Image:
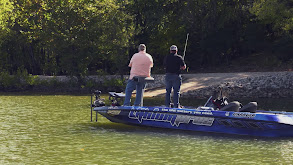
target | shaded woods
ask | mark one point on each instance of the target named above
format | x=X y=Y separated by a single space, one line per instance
x=90 y=37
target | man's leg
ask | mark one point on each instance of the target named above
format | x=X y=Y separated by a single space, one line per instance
x=176 y=87
x=140 y=86
x=128 y=91
x=168 y=83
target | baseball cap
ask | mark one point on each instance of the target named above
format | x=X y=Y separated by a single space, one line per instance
x=141 y=47
x=173 y=47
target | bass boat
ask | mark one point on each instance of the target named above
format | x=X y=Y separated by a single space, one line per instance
x=230 y=119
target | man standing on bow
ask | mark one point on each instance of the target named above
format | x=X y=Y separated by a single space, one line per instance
x=141 y=64
x=173 y=63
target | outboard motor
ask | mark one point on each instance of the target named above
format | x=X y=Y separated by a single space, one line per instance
x=220 y=103
x=223 y=104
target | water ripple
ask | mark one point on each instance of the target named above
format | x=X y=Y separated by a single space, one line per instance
x=57 y=130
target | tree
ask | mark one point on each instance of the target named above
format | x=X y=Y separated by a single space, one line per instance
x=277 y=17
x=68 y=37
x=6 y=15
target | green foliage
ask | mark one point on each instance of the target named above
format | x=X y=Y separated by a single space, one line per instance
x=85 y=37
x=5 y=15
x=5 y=80
x=115 y=82
x=67 y=37
x=277 y=13
x=90 y=84
x=21 y=81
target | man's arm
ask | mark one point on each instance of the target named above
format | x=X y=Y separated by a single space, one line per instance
x=152 y=61
x=131 y=60
x=183 y=67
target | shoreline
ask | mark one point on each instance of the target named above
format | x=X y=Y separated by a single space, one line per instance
x=196 y=85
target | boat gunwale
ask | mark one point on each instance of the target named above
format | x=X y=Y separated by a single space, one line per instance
x=260 y=115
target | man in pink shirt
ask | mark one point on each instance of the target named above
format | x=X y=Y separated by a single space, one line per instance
x=141 y=64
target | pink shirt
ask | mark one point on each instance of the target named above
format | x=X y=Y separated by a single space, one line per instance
x=141 y=64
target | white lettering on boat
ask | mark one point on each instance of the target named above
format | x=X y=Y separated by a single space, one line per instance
x=207 y=121
x=184 y=111
x=173 y=119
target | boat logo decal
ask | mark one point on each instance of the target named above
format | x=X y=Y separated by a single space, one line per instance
x=243 y=114
x=227 y=114
x=113 y=112
x=173 y=119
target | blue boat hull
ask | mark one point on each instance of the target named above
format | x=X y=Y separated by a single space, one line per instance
x=261 y=123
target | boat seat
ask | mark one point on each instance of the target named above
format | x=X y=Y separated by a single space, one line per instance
x=114 y=94
x=143 y=79
x=232 y=106
x=250 y=107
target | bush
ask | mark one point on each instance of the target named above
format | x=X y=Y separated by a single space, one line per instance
x=18 y=82
x=22 y=81
x=116 y=85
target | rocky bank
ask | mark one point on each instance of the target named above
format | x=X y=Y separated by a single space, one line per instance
x=235 y=85
x=272 y=85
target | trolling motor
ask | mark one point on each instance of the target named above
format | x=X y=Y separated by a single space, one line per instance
x=98 y=102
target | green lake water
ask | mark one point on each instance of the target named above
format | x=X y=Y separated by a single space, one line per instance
x=57 y=130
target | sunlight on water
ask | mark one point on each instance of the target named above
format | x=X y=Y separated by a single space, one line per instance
x=57 y=130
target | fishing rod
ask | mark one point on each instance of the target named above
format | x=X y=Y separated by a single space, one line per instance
x=185 y=45
x=185 y=49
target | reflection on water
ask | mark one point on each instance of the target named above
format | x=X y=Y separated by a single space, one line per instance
x=57 y=130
